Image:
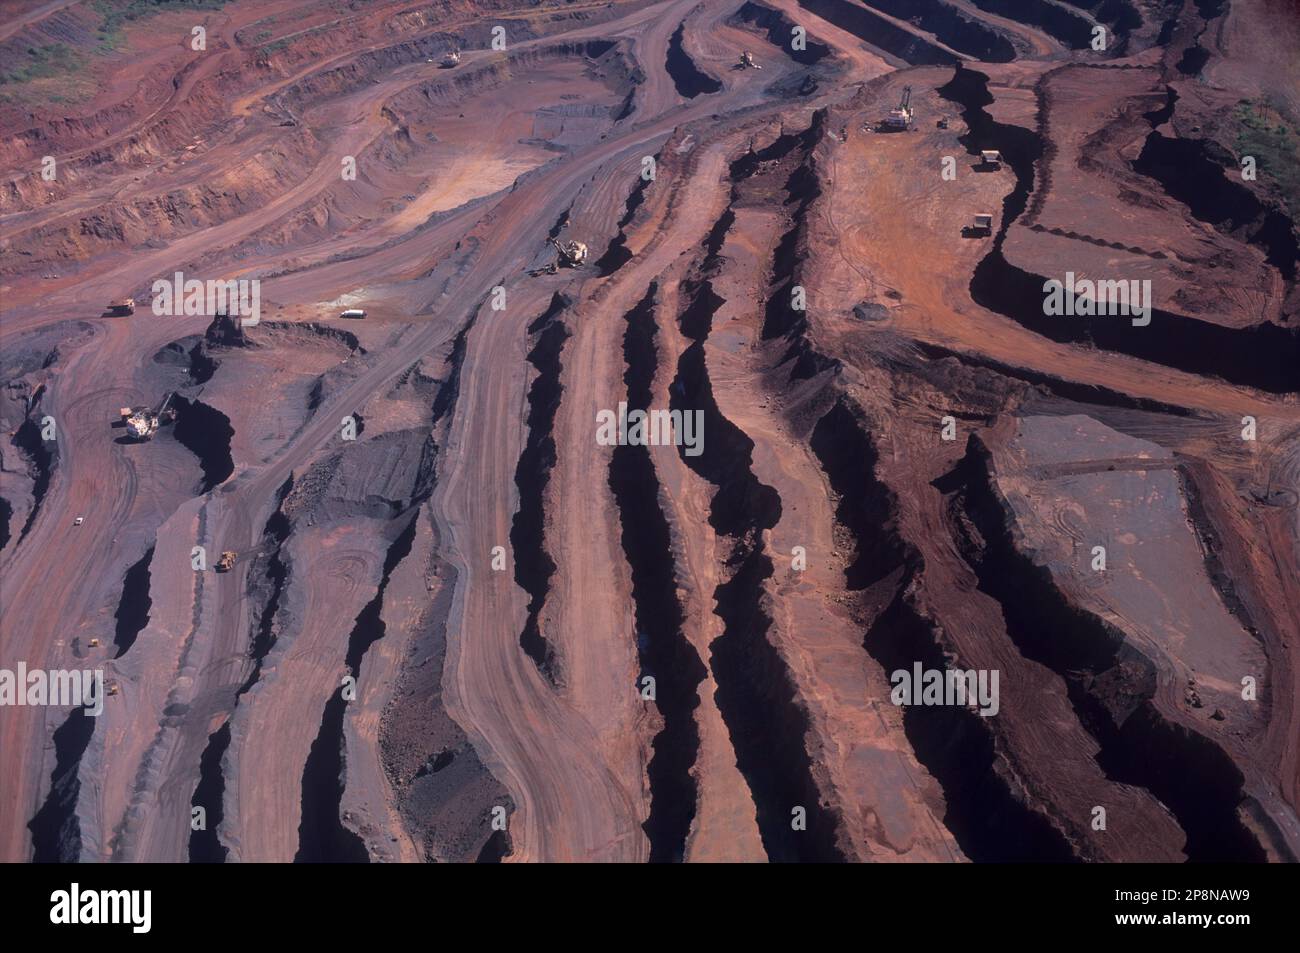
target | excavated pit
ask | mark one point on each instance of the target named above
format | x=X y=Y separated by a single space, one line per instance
x=689 y=79
x=618 y=254
x=662 y=647
x=756 y=694
x=869 y=26
x=950 y=28
x=56 y=828
x=778 y=29
x=956 y=745
x=205 y=847
x=270 y=569
x=205 y=432
x=533 y=565
x=1072 y=29
x=322 y=835
x=44 y=459
x=1111 y=685
x=1194 y=172
x=132 y=613
x=1264 y=356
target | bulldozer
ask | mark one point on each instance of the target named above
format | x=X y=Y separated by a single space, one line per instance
x=572 y=254
x=747 y=61
x=226 y=562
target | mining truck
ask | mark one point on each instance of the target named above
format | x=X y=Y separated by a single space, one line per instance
x=451 y=60
x=226 y=562
x=121 y=309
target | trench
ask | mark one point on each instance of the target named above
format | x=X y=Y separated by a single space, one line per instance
x=205 y=432
x=132 y=613
x=322 y=836
x=1193 y=172
x=205 y=847
x=617 y=254
x=449 y=391
x=1121 y=16
x=533 y=565
x=1095 y=394
x=779 y=27
x=1072 y=29
x=56 y=829
x=687 y=77
x=802 y=188
x=954 y=744
x=1264 y=356
x=755 y=691
x=43 y=461
x=1111 y=686
x=665 y=653
x=1196 y=56
x=872 y=28
x=950 y=28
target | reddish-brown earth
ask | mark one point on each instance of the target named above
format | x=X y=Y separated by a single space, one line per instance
x=475 y=631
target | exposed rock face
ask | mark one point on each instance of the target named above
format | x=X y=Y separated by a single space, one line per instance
x=884 y=559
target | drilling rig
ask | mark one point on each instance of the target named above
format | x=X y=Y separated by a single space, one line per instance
x=901 y=118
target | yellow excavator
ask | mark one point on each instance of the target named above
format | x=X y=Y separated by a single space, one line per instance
x=572 y=254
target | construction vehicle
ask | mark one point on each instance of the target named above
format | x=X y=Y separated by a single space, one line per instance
x=990 y=159
x=94 y=643
x=983 y=224
x=226 y=562
x=901 y=118
x=747 y=61
x=143 y=422
x=355 y=314
x=572 y=254
x=78 y=521
x=451 y=60
x=112 y=688
x=121 y=309
x=943 y=122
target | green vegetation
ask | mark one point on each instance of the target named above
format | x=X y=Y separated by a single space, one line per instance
x=42 y=62
x=60 y=73
x=1264 y=133
x=118 y=13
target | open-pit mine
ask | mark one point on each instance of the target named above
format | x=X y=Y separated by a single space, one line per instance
x=649 y=430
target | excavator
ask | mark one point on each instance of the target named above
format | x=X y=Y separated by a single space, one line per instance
x=572 y=254
x=901 y=118
x=747 y=61
x=142 y=423
x=226 y=562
